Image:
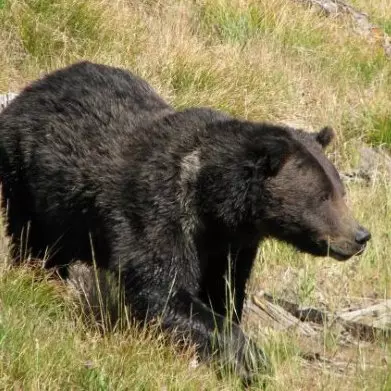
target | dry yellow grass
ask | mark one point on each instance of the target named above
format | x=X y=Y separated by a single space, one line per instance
x=262 y=60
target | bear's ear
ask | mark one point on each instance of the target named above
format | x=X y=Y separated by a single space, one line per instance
x=325 y=136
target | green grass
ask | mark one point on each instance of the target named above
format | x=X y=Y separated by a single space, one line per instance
x=45 y=28
x=45 y=345
x=379 y=12
x=230 y=23
x=386 y=25
x=381 y=134
x=274 y=60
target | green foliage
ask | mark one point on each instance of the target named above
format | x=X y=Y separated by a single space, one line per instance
x=381 y=133
x=387 y=27
x=231 y=23
x=234 y=24
x=368 y=68
x=306 y=286
x=45 y=345
x=48 y=29
x=186 y=76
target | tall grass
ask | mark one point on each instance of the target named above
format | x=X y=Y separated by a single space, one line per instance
x=260 y=60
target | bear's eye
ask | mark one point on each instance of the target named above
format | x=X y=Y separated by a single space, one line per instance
x=324 y=197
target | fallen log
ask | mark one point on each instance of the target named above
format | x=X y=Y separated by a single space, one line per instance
x=268 y=314
x=365 y=324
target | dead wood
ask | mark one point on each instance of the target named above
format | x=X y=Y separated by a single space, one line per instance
x=364 y=324
x=263 y=312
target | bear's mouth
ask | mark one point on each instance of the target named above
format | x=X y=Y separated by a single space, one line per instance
x=343 y=255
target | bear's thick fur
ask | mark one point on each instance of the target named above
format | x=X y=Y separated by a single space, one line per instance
x=91 y=156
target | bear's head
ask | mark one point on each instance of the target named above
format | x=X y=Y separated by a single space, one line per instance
x=304 y=201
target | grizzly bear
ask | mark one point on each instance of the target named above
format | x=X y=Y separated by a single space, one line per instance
x=95 y=165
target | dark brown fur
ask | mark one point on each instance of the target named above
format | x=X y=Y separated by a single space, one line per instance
x=174 y=201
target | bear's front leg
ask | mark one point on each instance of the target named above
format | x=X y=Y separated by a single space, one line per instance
x=215 y=338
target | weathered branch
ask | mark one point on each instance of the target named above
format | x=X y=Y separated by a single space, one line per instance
x=268 y=314
x=364 y=324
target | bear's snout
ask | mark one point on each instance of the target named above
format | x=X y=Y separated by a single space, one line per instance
x=345 y=247
x=362 y=236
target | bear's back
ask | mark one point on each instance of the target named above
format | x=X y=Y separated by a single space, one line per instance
x=78 y=115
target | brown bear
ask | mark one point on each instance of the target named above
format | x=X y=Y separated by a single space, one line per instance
x=92 y=158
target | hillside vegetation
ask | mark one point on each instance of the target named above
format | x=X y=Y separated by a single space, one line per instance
x=270 y=60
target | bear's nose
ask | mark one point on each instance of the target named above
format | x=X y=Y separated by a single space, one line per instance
x=362 y=236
